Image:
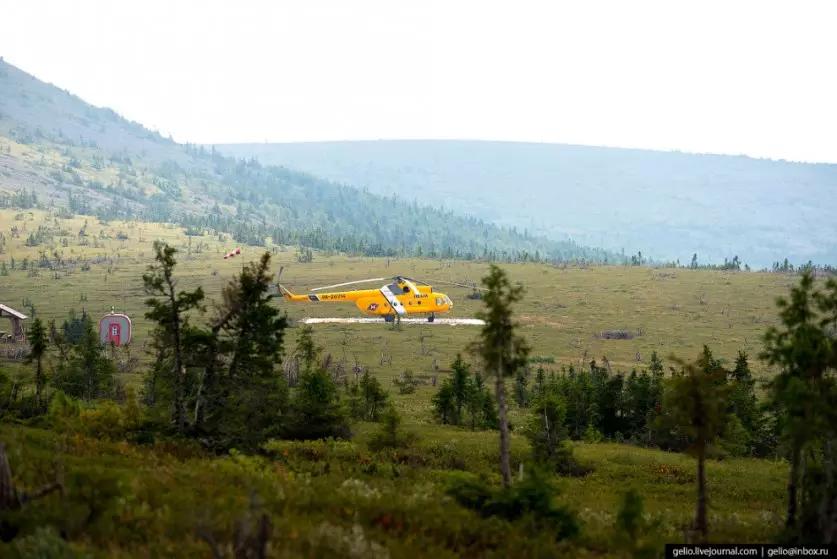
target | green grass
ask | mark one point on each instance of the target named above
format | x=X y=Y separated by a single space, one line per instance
x=152 y=503
x=676 y=311
x=163 y=498
x=564 y=309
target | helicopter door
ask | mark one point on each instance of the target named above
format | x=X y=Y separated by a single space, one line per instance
x=390 y=296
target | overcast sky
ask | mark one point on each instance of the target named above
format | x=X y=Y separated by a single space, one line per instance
x=707 y=76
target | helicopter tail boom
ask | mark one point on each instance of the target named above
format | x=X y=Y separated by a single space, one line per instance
x=288 y=296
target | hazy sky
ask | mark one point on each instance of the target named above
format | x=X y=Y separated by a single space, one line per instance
x=727 y=76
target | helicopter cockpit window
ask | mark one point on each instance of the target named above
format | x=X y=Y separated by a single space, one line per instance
x=396 y=289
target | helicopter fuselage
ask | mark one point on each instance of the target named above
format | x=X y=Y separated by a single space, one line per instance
x=389 y=301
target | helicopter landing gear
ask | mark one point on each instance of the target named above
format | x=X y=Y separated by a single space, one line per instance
x=431 y=318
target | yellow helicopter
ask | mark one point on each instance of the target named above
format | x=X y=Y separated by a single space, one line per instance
x=401 y=297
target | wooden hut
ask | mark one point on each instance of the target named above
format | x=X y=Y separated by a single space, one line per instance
x=18 y=334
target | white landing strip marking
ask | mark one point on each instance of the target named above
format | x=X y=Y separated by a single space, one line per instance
x=448 y=321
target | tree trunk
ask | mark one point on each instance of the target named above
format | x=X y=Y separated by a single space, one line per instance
x=790 y=520
x=179 y=411
x=803 y=477
x=826 y=515
x=207 y=385
x=11 y=498
x=39 y=384
x=505 y=458
x=550 y=448
x=700 y=513
x=151 y=392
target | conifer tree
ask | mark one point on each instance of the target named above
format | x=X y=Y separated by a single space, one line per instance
x=315 y=412
x=697 y=400
x=460 y=385
x=168 y=311
x=307 y=350
x=38 y=344
x=250 y=396
x=805 y=392
x=86 y=373
x=502 y=349
x=367 y=398
x=742 y=398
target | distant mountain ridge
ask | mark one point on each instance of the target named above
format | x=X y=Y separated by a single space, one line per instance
x=91 y=160
x=666 y=204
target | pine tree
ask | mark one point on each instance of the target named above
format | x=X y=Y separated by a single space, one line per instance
x=444 y=404
x=697 y=400
x=249 y=398
x=169 y=314
x=742 y=398
x=390 y=434
x=315 y=411
x=38 y=344
x=460 y=385
x=86 y=373
x=368 y=399
x=307 y=351
x=806 y=395
x=546 y=428
x=502 y=349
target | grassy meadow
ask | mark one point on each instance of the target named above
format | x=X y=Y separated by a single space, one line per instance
x=564 y=311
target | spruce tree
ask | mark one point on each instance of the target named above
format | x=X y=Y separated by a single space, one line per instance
x=38 y=344
x=251 y=395
x=460 y=385
x=697 y=400
x=502 y=349
x=742 y=398
x=168 y=309
x=805 y=393
x=86 y=373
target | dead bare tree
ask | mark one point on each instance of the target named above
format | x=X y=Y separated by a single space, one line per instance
x=607 y=364
x=291 y=368
x=340 y=369
x=386 y=357
x=249 y=541
x=423 y=335
x=12 y=498
x=357 y=369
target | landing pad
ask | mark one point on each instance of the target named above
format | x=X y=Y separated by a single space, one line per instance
x=446 y=321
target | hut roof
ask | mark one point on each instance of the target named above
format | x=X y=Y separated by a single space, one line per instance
x=11 y=311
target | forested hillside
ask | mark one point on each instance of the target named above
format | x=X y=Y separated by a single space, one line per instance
x=58 y=151
x=666 y=205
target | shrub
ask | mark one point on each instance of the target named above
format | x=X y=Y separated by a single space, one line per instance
x=316 y=412
x=530 y=500
x=407 y=383
x=44 y=543
x=390 y=435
